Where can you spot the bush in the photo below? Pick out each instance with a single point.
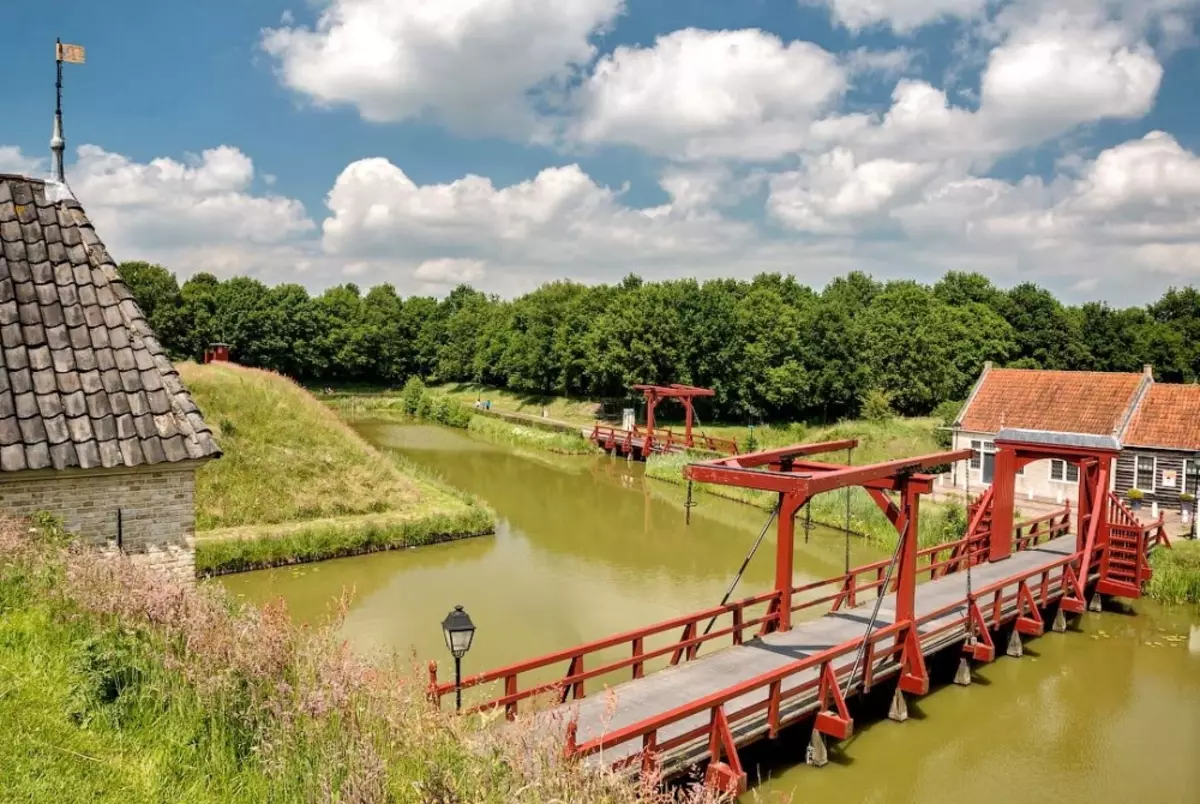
(1135, 494)
(412, 395)
(877, 406)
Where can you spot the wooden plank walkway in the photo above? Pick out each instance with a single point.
(603, 712)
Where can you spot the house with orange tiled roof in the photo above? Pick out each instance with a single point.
(1161, 445)
(1156, 426)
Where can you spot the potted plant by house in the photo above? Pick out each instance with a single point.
(1186, 502)
(1135, 498)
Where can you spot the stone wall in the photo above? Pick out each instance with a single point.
(157, 509)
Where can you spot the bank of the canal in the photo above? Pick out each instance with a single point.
(586, 547)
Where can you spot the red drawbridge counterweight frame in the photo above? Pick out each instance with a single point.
(651, 440)
(797, 480)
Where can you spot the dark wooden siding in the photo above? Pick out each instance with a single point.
(1165, 460)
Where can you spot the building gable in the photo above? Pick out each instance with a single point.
(83, 381)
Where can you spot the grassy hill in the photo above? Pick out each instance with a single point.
(297, 484)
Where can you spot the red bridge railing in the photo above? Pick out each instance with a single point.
(686, 634)
(1035, 588)
(650, 441)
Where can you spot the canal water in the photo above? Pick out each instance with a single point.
(587, 547)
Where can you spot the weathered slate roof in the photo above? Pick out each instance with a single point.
(83, 381)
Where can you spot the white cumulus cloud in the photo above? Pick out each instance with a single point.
(902, 16)
(196, 214)
(448, 271)
(468, 63)
(14, 162)
(699, 94)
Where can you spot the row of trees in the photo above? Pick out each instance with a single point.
(770, 347)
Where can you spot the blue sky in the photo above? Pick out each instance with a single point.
(323, 142)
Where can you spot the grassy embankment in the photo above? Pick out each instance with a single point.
(117, 685)
(1176, 573)
(453, 405)
(877, 441)
(297, 484)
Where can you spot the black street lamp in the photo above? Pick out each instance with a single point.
(459, 631)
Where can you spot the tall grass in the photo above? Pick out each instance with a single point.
(1176, 578)
(502, 432)
(119, 685)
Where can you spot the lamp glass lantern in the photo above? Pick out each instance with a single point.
(459, 632)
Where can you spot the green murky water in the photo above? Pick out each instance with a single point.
(586, 547)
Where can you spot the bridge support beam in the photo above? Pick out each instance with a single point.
(962, 676)
(899, 708)
(817, 754)
(1096, 604)
(1015, 647)
(1059, 626)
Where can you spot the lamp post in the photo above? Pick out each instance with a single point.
(458, 630)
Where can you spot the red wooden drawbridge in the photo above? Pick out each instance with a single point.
(797, 652)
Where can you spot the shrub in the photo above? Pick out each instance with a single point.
(877, 406)
(412, 395)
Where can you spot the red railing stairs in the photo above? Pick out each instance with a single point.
(1125, 564)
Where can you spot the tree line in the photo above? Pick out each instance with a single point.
(771, 348)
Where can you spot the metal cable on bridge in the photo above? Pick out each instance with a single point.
(887, 581)
(807, 519)
(971, 635)
(746, 561)
(687, 505)
(849, 462)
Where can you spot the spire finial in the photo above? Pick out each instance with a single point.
(73, 54)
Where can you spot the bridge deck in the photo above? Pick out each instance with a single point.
(675, 686)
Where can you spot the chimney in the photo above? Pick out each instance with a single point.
(1148, 370)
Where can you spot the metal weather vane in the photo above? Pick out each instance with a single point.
(68, 54)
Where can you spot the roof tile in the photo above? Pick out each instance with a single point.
(12, 458)
(63, 456)
(110, 454)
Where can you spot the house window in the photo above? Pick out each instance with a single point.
(976, 446)
(1063, 472)
(1143, 473)
(1188, 484)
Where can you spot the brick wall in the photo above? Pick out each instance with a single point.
(157, 511)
